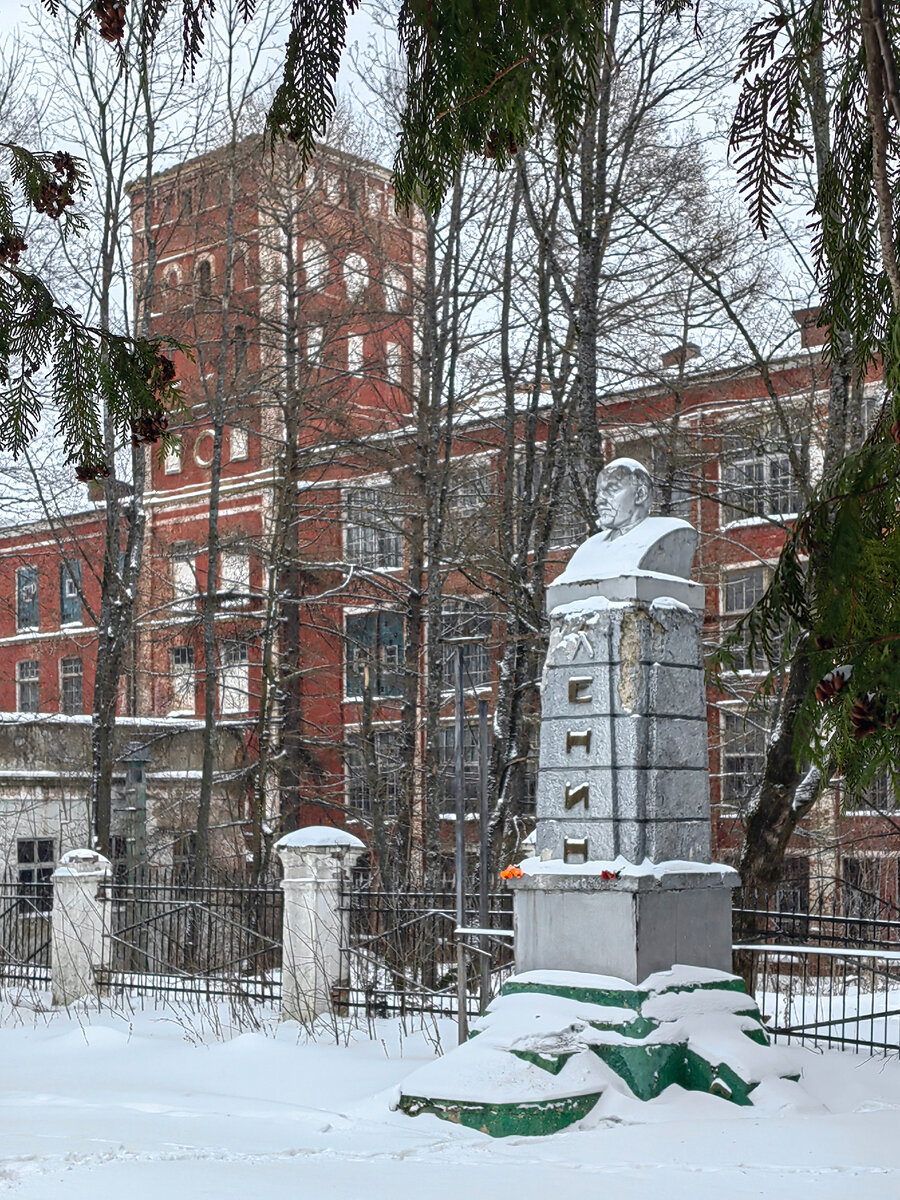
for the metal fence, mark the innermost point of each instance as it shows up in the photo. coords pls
(171, 937)
(24, 932)
(827, 972)
(400, 957)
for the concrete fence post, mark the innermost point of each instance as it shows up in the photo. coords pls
(78, 924)
(315, 860)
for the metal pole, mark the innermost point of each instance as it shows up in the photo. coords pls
(484, 915)
(462, 1022)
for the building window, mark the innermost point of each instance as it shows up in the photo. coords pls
(466, 618)
(374, 198)
(234, 578)
(184, 580)
(70, 592)
(240, 346)
(315, 265)
(204, 277)
(234, 678)
(860, 893)
(672, 467)
(740, 591)
(355, 353)
(35, 861)
(447, 766)
(792, 891)
(880, 796)
(238, 443)
(315, 340)
(28, 686)
(373, 528)
(374, 648)
(27, 598)
(758, 479)
(394, 283)
(70, 687)
(184, 679)
(393, 363)
(356, 277)
(373, 780)
(471, 489)
(742, 754)
(172, 460)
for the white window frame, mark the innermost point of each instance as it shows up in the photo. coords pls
(356, 352)
(356, 276)
(184, 580)
(26, 678)
(234, 576)
(234, 678)
(315, 341)
(67, 671)
(315, 265)
(172, 463)
(381, 544)
(393, 363)
(238, 443)
(183, 679)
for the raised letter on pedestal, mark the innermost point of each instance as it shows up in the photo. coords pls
(578, 737)
(577, 794)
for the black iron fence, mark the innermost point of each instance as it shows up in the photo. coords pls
(25, 909)
(824, 967)
(171, 937)
(400, 956)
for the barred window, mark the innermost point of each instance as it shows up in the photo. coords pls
(879, 796)
(462, 617)
(71, 699)
(373, 528)
(470, 490)
(367, 789)
(374, 641)
(394, 284)
(28, 686)
(70, 592)
(27, 598)
(356, 276)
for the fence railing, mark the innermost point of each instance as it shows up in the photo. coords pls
(827, 973)
(170, 937)
(400, 955)
(25, 910)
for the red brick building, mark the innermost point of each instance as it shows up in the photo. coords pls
(299, 301)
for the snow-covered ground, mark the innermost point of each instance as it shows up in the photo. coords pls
(169, 1105)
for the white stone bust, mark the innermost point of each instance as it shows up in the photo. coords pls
(635, 556)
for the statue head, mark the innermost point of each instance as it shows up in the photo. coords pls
(624, 491)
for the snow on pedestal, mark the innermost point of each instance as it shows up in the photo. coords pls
(315, 861)
(78, 924)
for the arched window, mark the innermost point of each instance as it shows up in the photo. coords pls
(204, 277)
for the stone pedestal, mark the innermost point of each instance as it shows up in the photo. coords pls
(623, 744)
(631, 927)
(315, 860)
(78, 924)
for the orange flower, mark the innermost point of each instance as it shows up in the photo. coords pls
(511, 872)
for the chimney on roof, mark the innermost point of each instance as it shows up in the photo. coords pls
(811, 332)
(680, 355)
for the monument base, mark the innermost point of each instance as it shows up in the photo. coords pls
(637, 921)
(553, 1045)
